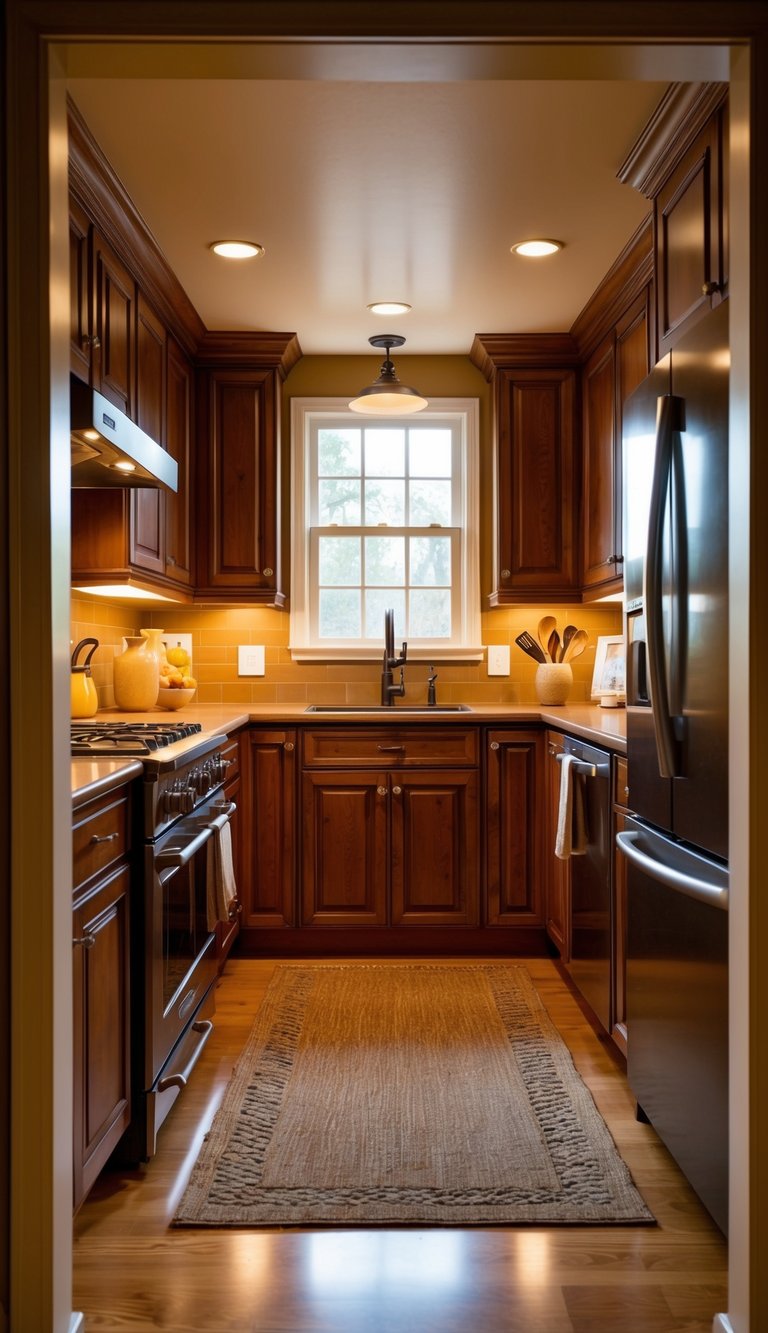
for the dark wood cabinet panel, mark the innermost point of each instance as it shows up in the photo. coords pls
(513, 828)
(179, 424)
(227, 931)
(557, 873)
(434, 848)
(238, 511)
(344, 848)
(113, 349)
(147, 545)
(601, 551)
(267, 863)
(79, 293)
(691, 235)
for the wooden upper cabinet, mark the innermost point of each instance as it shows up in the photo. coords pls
(79, 293)
(147, 546)
(113, 345)
(239, 477)
(535, 465)
(178, 442)
(601, 531)
(691, 236)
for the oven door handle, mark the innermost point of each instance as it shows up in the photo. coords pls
(226, 810)
(173, 857)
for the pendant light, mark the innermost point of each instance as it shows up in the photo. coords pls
(387, 396)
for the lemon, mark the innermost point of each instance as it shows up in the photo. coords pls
(178, 656)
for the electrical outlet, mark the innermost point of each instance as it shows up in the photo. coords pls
(498, 659)
(250, 660)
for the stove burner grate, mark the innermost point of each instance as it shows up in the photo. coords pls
(128, 738)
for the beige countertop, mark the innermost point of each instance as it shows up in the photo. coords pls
(599, 726)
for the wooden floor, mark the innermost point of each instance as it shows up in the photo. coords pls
(132, 1271)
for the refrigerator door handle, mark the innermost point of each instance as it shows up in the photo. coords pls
(699, 889)
(670, 418)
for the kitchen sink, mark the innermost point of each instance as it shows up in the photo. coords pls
(387, 710)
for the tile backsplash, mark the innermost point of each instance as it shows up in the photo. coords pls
(217, 633)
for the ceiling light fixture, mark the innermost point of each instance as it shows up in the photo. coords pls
(237, 249)
(389, 308)
(387, 396)
(536, 249)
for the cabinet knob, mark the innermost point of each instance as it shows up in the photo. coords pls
(288, 746)
(268, 571)
(709, 288)
(505, 573)
(494, 745)
(87, 941)
(381, 791)
(396, 791)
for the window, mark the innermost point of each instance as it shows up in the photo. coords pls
(385, 514)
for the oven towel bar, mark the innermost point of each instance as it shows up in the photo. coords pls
(222, 887)
(571, 837)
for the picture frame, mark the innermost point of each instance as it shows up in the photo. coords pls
(609, 676)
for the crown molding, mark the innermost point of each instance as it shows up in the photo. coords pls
(681, 114)
(498, 351)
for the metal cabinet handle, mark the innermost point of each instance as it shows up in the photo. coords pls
(288, 745)
(494, 745)
(105, 837)
(396, 791)
(390, 749)
(86, 941)
(381, 791)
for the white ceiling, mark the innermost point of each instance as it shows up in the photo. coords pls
(363, 191)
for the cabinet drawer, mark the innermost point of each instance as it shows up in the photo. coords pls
(230, 752)
(621, 782)
(100, 836)
(389, 747)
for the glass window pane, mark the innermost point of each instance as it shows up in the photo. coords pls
(430, 613)
(385, 561)
(338, 453)
(377, 601)
(338, 502)
(429, 453)
(385, 502)
(339, 613)
(430, 561)
(339, 560)
(385, 452)
(430, 502)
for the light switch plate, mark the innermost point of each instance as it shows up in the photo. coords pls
(498, 659)
(250, 659)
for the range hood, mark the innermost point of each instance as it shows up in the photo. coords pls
(108, 449)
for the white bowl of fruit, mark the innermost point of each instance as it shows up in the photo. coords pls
(177, 685)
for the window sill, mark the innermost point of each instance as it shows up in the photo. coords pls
(368, 653)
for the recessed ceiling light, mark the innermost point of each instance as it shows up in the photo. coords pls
(389, 308)
(237, 249)
(536, 249)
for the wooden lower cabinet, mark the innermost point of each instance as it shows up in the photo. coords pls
(268, 828)
(513, 830)
(101, 986)
(557, 885)
(344, 841)
(227, 931)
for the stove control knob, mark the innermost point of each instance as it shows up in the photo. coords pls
(179, 801)
(220, 767)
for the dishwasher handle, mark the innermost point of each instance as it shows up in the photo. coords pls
(582, 766)
(690, 885)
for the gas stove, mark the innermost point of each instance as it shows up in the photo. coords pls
(108, 739)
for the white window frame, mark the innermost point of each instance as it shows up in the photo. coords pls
(466, 644)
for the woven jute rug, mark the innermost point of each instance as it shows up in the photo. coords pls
(407, 1094)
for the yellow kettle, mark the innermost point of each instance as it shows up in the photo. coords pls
(85, 700)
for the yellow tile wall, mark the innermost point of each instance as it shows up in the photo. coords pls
(217, 632)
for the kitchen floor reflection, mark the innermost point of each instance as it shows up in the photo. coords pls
(353, 1263)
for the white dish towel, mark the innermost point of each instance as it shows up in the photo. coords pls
(571, 837)
(222, 887)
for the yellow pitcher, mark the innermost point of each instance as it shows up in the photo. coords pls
(84, 699)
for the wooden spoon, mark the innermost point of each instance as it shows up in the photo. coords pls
(568, 634)
(578, 643)
(553, 645)
(546, 626)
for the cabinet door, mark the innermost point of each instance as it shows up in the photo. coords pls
(148, 504)
(113, 360)
(557, 874)
(178, 544)
(268, 829)
(79, 293)
(102, 1103)
(513, 832)
(535, 485)
(691, 237)
(239, 491)
(601, 508)
(434, 848)
(344, 848)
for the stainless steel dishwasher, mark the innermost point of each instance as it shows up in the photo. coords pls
(589, 963)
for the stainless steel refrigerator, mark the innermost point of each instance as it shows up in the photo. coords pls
(675, 460)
